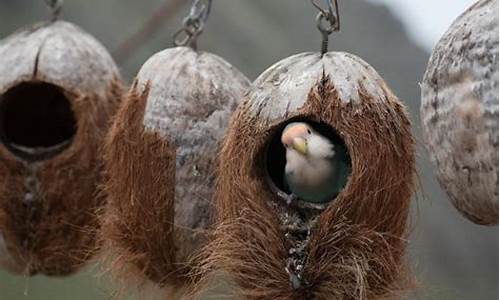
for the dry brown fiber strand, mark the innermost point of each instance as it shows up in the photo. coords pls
(55, 235)
(159, 159)
(357, 250)
(128, 225)
(62, 236)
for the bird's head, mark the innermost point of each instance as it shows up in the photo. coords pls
(295, 137)
(301, 138)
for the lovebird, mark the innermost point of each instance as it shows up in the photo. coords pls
(316, 168)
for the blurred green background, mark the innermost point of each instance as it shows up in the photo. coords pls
(451, 257)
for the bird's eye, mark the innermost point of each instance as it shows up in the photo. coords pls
(308, 131)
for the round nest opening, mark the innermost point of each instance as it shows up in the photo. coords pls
(36, 120)
(275, 167)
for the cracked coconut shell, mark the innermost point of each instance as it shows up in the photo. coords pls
(354, 247)
(159, 160)
(58, 89)
(460, 112)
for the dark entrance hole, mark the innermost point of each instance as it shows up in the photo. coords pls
(36, 120)
(276, 153)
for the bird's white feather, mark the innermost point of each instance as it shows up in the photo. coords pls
(319, 147)
(312, 172)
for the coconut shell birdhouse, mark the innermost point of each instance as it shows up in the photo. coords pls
(351, 246)
(159, 160)
(460, 112)
(58, 89)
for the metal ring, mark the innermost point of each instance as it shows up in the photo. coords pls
(326, 27)
(182, 37)
(193, 24)
(327, 21)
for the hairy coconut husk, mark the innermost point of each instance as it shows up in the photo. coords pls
(460, 112)
(48, 192)
(159, 162)
(352, 249)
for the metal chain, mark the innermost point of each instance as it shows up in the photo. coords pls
(193, 24)
(56, 7)
(328, 21)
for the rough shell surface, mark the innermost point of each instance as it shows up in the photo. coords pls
(460, 112)
(55, 233)
(290, 81)
(189, 97)
(58, 53)
(355, 247)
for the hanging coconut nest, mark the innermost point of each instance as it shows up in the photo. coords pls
(460, 112)
(159, 159)
(353, 246)
(58, 89)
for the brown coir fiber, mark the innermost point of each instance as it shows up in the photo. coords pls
(356, 250)
(54, 234)
(140, 202)
(160, 160)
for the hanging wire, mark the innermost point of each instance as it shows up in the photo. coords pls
(328, 21)
(55, 7)
(194, 24)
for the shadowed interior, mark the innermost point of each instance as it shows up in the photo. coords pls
(36, 120)
(276, 153)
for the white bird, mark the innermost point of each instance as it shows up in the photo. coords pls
(316, 168)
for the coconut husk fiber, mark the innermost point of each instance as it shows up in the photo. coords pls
(355, 247)
(159, 159)
(58, 89)
(459, 112)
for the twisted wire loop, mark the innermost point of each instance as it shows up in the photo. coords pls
(328, 21)
(193, 24)
(55, 7)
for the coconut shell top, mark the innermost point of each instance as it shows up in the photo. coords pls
(59, 53)
(160, 161)
(351, 249)
(460, 112)
(58, 89)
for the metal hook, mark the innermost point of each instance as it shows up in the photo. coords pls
(201, 11)
(56, 7)
(193, 24)
(328, 21)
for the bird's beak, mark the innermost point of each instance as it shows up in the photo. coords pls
(300, 145)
